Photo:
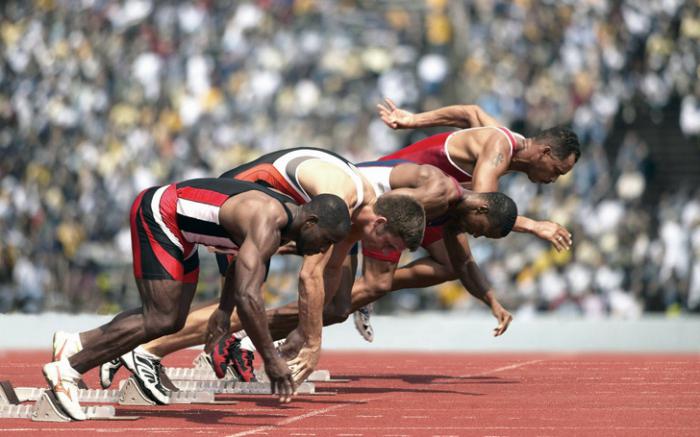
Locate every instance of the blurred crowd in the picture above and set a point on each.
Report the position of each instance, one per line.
(102, 98)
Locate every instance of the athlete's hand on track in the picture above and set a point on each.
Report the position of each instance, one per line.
(217, 328)
(281, 381)
(554, 233)
(503, 316)
(394, 117)
(305, 362)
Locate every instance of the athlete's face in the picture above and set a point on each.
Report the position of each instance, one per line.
(477, 224)
(315, 239)
(547, 168)
(379, 239)
(473, 219)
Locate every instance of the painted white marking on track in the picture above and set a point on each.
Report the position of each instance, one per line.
(336, 407)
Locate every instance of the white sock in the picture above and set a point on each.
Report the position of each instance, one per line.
(78, 343)
(142, 351)
(68, 371)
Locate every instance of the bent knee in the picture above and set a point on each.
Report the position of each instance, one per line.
(334, 316)
(158, 325)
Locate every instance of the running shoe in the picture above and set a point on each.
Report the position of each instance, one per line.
(63, 381)
(147, 370)
(229, 353)
(65, 345)
(108, 370)
(219, 356)
(241, 361)
(362, 322)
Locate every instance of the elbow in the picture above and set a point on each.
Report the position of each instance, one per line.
(334, 314)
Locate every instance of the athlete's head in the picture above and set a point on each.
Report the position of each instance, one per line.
(489, 214)
(325, 221)
(556, 150)
(399, 223)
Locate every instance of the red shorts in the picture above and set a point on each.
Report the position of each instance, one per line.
(159, 249)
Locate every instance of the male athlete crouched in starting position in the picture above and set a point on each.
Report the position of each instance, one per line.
(167, 224)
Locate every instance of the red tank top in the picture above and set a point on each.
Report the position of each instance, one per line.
(433, 151)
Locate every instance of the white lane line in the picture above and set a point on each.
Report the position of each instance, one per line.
(501, 369)
(336, 407)
(294, 419)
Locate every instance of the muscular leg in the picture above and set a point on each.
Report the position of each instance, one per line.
(192, 334)
(165, 307)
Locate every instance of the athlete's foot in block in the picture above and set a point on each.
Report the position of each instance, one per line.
(65, 345)
(219, 356)
(166, 381)
(241, 362)
(63, 381)
(363, 323)
(147, 370)
(107, 372)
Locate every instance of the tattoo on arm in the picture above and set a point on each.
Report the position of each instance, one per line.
(498, 159)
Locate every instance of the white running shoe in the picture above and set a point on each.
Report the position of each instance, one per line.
(147, 370)
(107, 372)
(65, 345)
(362, 322)
(63, 380)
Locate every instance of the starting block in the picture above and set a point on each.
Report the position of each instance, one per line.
(202, 371)
(46, 407)
(130, 393)
(237, 387)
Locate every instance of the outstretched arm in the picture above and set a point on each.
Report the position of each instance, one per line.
(472, 278)
(462, 116)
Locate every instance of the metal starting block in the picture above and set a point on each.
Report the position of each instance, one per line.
(46, 407)
(130, 393)
(202, 371)
(237, 387)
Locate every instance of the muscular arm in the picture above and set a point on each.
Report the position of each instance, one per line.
(471, 277)
(461, 116)
(311, 297)
(492, 163)
(427, 184)
(243, 283)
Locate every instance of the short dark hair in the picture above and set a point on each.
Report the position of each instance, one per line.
(502, 212)
(332, 212)
(562, 140)
(405, 217)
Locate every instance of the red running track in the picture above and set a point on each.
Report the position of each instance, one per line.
(412, 394)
